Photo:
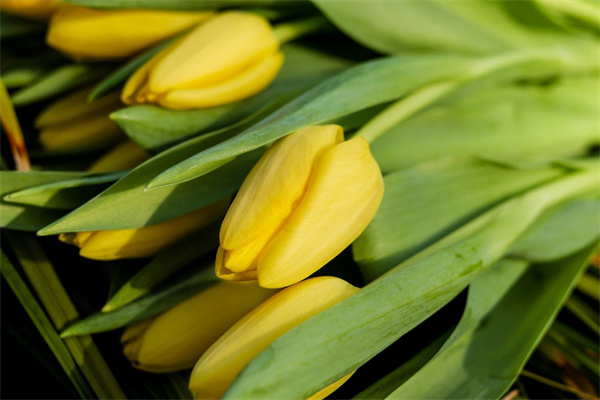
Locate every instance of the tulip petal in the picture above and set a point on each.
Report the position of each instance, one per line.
(248, 82)
(147, 241)
(213, 52)
(74, 106)
(327, 390)
(278, 180)
(224, 273)
(85, 131)
(34, 9)
(225, 359)
(90, 34)
(343, 195)
(156, 346)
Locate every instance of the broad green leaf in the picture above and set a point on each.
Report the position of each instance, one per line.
(127, 205)
(22, 217)
(355, 89)
(147, 306)
(475, 366)
(453, 26)
(562, 232)
(44, 327)
(121, 74)
(154, 127)
(411, 215)
(164, 265)
(395, 303)
(524, 123)
(61, 311)
(58, 81)
(186, 4)
(64, 194)
(377, 82)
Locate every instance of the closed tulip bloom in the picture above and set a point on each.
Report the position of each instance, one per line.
(90, 34)
(230, 57)
(146, 241)
(223, 361)
(308, 198)
(34, 9)
(178, 337)
(74, 123)
(124, 156)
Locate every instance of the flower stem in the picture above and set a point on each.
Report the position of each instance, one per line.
(404, 108)
(288, 31)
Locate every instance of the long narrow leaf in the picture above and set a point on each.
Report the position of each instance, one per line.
(61, 310)
(395, 303)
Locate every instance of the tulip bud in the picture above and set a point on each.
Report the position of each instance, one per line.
(73, 122)
(223, 361)
(125, 156)
(308, 198)
(230, 57)
(178, 337)
(34, 9)
(90, 34)
(146, 241)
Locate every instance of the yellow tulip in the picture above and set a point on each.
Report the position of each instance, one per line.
(34, 9)
(178, 337)
(230, 57)
(90, 34)
(146, 241)
(125, 156)
(223, 361)
(73, 122)
(308, 198)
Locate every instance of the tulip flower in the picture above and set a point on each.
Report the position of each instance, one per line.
(125, 156)
(34, 9)
(90, 34)
(146, 241)
(178, 337)
(223, 361)
(73, 122)
(308, 198)
(230, 57)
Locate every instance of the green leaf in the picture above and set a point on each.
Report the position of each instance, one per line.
(155, 127)
(411, 215)
(561, 232)
(164, 265)
(121, 74)
(61, 311)
(392, 305)
(45, 328)
(21, 76)
(376, 82)
(353, 90)
(127, 205)
(27, 218)
(186, 4)
(148, 306)
(475, 366)
(64, 194)
(524, 123)
(451, 26)
(58, 81)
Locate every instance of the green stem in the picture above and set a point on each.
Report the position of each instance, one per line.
(288, 31)
(404, 108)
